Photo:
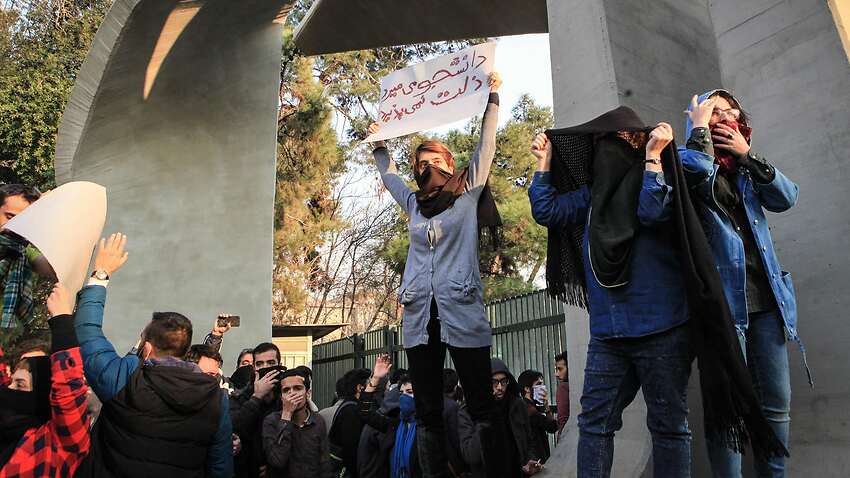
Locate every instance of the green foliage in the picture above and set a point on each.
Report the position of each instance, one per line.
(43, 49)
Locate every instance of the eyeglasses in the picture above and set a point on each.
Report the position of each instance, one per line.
(502, 383)
(733, 113)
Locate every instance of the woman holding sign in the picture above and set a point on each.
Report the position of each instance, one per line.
(441, 287)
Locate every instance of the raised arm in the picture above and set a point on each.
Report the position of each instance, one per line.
(69, 425)
(389, 174)
(482, 158)
(107, 373)
(549, 208)
(655, 201)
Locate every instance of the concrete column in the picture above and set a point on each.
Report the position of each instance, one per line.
(174, 113)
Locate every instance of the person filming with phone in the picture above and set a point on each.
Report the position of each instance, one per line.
(541, 417)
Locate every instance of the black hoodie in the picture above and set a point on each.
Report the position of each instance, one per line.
(160, 424)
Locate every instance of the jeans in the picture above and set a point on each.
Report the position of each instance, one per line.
(767, 360)
(660, 365)
(425, 366)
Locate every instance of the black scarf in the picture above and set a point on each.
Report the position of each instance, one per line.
(730, 406)
(21, 411)
(438, 191)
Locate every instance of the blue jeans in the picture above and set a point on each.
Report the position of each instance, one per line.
(767, 360)
(660, 364)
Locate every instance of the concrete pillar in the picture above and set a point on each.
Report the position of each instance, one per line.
(174, 112)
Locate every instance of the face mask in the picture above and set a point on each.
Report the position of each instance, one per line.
(407, 406)
(432, 178)
(726, 161)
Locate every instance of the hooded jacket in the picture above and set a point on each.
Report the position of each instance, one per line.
(162, 418)
(777, 196)
(517, 421)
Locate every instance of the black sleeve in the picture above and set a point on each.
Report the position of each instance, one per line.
(346, 434)
(761, 171)
(700, 140)
(543, 422)
(62, 332)
(493, 98)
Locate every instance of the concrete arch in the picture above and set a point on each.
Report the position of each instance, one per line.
(174, 111)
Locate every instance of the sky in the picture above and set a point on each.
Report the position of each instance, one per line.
(523, 63)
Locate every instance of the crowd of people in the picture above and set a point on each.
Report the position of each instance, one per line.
(668, 249)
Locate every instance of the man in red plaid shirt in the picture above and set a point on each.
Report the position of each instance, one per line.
(44, 426)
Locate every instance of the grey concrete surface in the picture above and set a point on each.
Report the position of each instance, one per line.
(189, 170)
(344, 25)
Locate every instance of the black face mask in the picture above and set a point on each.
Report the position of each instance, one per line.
(431, 178)
(20, 411)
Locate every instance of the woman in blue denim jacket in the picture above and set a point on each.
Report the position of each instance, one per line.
(732, 187)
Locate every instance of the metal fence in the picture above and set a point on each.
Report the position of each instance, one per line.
(528, 331)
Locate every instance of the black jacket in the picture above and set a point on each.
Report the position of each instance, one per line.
(541, 425)
(247, 414)
(160, 424)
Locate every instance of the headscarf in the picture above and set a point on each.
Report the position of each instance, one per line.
(438, 191)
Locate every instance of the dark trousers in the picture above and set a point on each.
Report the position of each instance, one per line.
(425, 365)
(616, 369)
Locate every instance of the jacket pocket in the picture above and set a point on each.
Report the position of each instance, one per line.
(407, 295)
(466, 292)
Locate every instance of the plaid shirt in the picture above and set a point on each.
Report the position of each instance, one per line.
(56, 448)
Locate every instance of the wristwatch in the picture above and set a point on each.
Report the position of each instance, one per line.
(652, 160)
(100, 274)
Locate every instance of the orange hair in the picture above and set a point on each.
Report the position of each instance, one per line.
(433, 146)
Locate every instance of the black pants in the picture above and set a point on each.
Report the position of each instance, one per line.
(425, 365)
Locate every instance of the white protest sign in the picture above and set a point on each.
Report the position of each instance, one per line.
(435, 92)
(65, 225)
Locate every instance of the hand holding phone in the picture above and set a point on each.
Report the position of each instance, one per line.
(224, 320)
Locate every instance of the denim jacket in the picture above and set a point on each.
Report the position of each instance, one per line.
(777, 196)
(654, 300)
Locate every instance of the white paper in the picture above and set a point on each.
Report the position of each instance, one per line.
(65, 226)
(435, 92)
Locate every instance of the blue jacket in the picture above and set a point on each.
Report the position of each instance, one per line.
(777, 196)
(107, 373)
(654, 300)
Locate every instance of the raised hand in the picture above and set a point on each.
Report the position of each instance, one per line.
(494, 82)
(541, 147)
(291, 402)
(729, 139)
(218, 330)
(382, 367)
(264, 386)
(110, 253)
(60, 301)
(659, 138)
(700, 113)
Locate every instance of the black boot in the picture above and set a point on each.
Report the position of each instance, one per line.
(431, 442)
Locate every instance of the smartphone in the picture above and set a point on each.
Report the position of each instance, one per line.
(224, 319)
(539, 391)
